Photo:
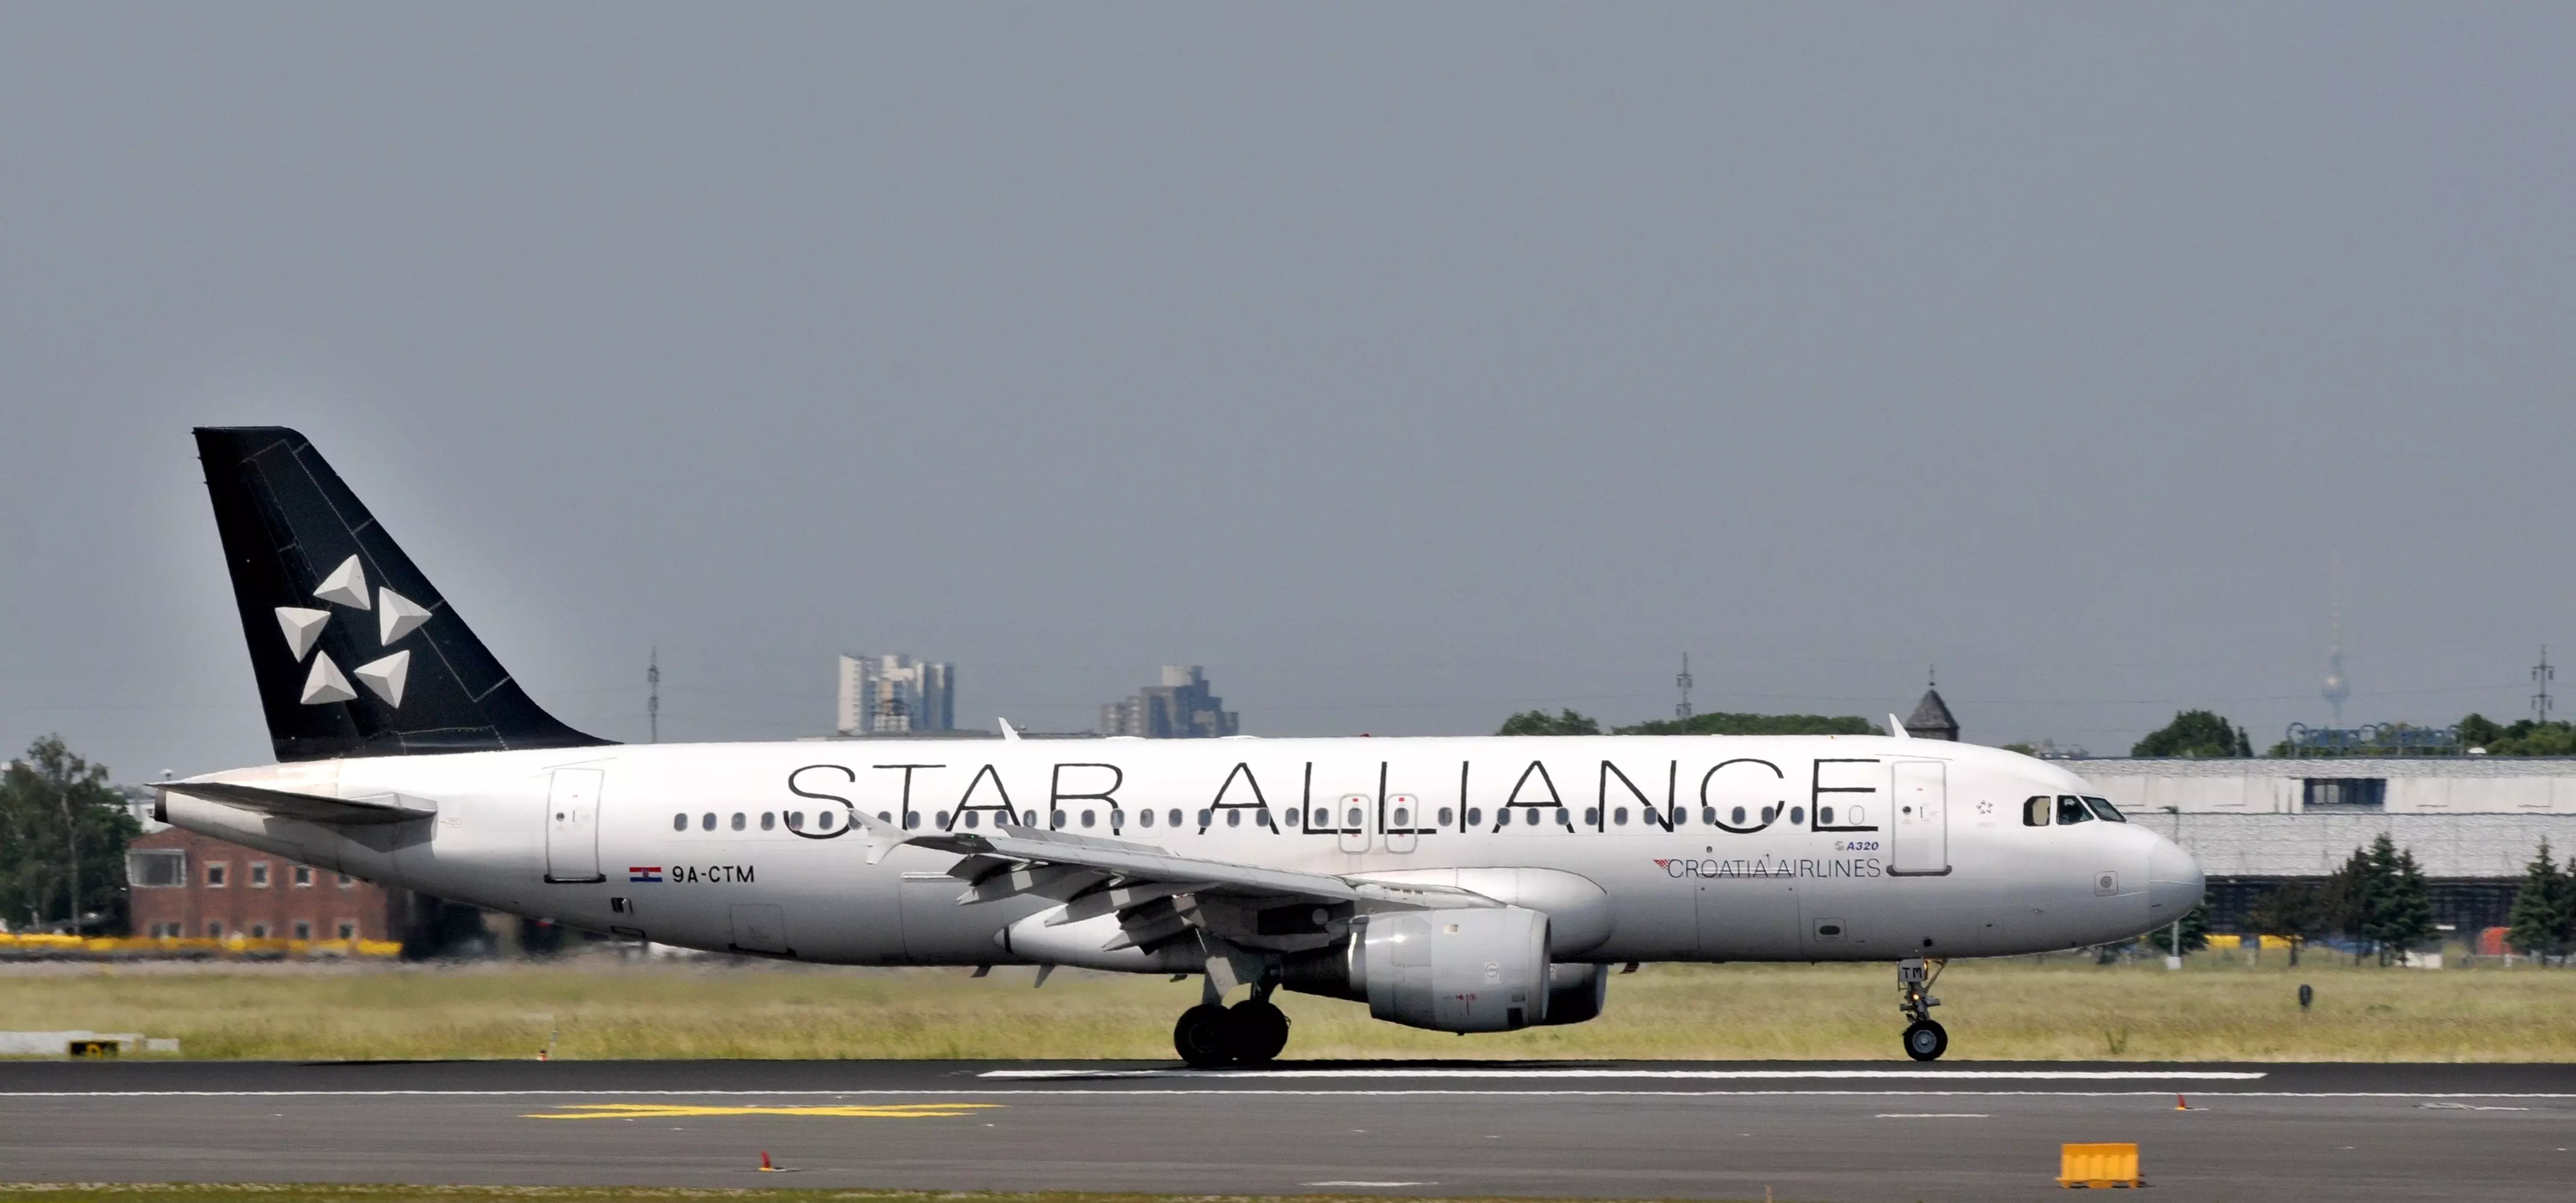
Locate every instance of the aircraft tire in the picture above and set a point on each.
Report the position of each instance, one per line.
(1260, 1031)
(1926, 1040)
(1205, 1037)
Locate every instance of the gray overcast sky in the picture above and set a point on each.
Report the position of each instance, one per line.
(1405, 365)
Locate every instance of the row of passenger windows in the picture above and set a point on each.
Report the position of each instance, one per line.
(2069, 809)
(1398, 818)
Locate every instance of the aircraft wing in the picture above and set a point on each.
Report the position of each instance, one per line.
(312, 808)
(1156, 895)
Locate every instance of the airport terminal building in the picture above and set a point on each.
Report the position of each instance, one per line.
(2472, 822)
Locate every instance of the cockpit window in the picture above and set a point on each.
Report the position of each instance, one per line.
(2034, 813)
(2070, 809)
(2103, 807)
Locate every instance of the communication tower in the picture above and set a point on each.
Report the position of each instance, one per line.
(2543, 674)
(1682, 681)
(653, 695)
(2336, 689)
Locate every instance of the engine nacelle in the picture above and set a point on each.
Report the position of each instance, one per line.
(1480, 969)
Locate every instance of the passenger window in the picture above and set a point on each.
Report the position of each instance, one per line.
(974, 818)
(707, 821)
(1234, 818)
(2070, 809)
(1446, 814)
(1475, 816)
(1591, 816)
(1173, 816)
(738, 821)
(1205, 816)
(1619, 816)
(2034, 813)
(679, 822)
(1087, 817)
(1144, 818)
(2103, 809)
(1403, 816)
(1797, 815)
(768, 821)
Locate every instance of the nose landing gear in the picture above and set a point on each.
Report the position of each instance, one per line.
(1925, 1038)
(1250, 1032)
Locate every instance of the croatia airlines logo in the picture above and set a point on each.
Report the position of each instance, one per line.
(396, 617)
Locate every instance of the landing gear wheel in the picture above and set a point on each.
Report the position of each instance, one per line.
(1260, 1031)
(1204, 1037)
(1925, 1040)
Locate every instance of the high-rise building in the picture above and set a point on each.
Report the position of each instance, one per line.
(893, 695)
(1179, 708)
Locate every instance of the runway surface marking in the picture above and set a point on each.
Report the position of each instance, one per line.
(1933, 1115)
(2054, 1075)
(5, 1096)
(1359, 1182)
(940, 1110)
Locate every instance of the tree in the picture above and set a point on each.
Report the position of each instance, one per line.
(2297, 911)
(63, 832)
(2196, 733)
(2380, 895)
(1540, 722)
(1757, 724)
(2522, 737)
(2544, 910)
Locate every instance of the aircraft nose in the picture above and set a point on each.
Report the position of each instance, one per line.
(2174, 882)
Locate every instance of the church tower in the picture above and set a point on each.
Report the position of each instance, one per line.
(1931, 718)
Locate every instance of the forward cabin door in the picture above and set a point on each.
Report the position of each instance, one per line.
(572, 826)
(1921, 833)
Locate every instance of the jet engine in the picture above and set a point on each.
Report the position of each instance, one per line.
(1481, 969)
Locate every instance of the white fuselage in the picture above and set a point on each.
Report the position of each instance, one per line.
(1873, 849)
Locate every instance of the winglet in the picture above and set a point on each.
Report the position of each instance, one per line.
(1896, 728)
(1008, 731)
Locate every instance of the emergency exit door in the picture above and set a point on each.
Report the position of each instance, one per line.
(1920, 833)
(572, 826)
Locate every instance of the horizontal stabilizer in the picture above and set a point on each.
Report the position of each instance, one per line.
(312, 808)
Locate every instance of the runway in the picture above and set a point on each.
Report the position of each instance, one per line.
(1823, 1131)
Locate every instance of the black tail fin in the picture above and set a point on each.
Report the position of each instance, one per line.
(356, 652)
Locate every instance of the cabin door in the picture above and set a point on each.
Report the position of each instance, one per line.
(572, 826)
(1920, 828)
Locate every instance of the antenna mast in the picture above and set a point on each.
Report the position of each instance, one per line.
(2541, 702)
(653, 694)
(1682, 681)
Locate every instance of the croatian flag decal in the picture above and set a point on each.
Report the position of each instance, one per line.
(646, 873)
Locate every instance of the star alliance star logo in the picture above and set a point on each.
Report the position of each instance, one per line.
(396, 616)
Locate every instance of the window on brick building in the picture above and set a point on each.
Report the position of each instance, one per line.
(347, 881)
(348, 929)
(215, 874)
(259, 875)
(304, 876)
(215, 930)
(156, 868)
(303, 930)
(259, 931)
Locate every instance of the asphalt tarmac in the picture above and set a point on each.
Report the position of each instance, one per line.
(1824, 1131)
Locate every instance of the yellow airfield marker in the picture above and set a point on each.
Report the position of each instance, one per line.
(940, 1110)
(2098, 1165)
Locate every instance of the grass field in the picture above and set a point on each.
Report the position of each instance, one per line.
(2062, 1008)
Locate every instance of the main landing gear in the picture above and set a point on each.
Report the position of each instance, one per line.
(1250, 1032)
(1925, 1039)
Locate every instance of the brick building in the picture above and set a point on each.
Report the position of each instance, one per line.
(189, 886)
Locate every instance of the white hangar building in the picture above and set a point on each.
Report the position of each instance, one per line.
(2472, 822)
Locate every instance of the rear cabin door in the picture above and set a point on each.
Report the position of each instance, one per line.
(572, 826)
(1921, 831)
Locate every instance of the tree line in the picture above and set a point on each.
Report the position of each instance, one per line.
(2208, 734)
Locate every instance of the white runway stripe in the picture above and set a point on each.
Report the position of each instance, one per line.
(6, 1096)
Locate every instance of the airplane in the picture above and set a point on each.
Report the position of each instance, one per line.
(1453, 884)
